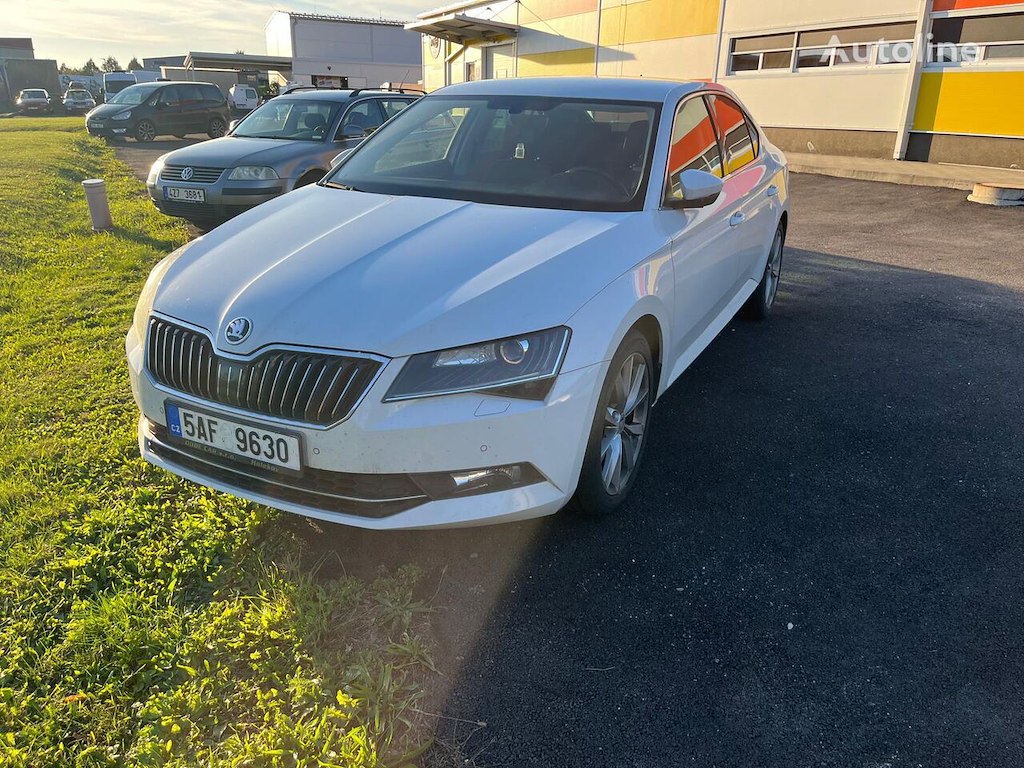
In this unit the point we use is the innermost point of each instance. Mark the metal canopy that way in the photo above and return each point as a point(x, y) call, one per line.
point(203, 60)
point(460, 28)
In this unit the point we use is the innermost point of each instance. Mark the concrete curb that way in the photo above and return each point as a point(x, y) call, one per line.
point(959, 177)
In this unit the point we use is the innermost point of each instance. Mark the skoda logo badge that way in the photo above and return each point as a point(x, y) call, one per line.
point(186, 173)
point(238, 330)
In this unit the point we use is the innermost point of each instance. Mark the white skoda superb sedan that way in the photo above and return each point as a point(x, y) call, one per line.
point(471, 318)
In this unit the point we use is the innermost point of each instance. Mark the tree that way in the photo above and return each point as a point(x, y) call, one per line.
point(134, 63)
point(110, 64)
point(240, 52)
point(90, 68)
point(64, 69)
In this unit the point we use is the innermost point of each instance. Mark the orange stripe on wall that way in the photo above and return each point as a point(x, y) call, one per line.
point(964, 5)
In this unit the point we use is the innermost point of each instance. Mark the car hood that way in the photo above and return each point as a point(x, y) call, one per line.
point(229, 151)
point(392, 275)
point(109, 110)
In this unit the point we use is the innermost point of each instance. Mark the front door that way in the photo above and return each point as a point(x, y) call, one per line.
point(702, 239)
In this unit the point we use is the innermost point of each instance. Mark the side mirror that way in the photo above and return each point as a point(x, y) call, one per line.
point(693, 189)
point(336, 160)
point(352, 132)
point(159, 105)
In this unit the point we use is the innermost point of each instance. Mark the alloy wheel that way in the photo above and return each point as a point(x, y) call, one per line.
point(216, 128)
point(145, 131)
point(773, 271)
point(625, 423)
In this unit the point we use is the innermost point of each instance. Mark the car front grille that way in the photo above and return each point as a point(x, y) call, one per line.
point(199, 175)
point(307, 387)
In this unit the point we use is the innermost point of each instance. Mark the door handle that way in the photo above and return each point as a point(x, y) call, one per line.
point(737, 219)
point(773, 191)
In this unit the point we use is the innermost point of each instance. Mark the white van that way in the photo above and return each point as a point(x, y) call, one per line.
point(243, 98)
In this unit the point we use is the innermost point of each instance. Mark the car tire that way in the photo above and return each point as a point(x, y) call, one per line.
point(618, 435)
point(145, 131)
point(217, 128)
point(761, 301)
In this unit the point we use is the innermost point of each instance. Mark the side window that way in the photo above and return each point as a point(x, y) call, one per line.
point(365, 115)
point(392, 107)
point(211, 94)
point(169, 96)
point(694, 143)
point(740, 148)
point(190, 95)
point(250, 93)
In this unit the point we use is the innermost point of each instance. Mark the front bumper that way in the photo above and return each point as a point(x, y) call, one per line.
point(366, 471)
point(109, 129)
point(225, 198)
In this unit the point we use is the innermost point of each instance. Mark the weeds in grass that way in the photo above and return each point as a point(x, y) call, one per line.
point(144, 620)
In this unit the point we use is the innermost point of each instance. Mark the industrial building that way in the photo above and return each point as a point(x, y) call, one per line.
point(19, 69)
point(931, 80)
point(342, 51)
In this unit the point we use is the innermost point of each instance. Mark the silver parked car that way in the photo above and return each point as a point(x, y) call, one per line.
point(286, 143)
point(34, 100)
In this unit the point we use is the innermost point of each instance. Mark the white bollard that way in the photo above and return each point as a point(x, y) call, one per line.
point(99, 209)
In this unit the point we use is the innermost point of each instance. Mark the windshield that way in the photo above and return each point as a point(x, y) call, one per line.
point(510, 150)
point(294, 119)
point(134, 94)
point(80, 95)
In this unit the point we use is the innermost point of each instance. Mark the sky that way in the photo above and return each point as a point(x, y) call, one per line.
point(72, 31)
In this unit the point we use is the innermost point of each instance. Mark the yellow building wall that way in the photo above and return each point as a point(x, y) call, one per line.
point(638, 22)
point(985, 103)
point(558, 63)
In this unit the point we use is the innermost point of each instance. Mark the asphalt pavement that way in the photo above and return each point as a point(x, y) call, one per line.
point(822, 563)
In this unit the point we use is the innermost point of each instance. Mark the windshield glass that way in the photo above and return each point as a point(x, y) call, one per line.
point(134, 94)
point(294, 119)
point(33, 94)
point(510, 150)
point(80, 95)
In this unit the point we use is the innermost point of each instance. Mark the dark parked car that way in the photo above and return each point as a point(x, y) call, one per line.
point(34, 100)
point(148, 110)
point(287, 142)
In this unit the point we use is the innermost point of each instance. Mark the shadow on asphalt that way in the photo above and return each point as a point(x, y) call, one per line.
point(821, 563)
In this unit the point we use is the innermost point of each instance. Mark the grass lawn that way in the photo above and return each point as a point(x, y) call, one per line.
point(145, 620)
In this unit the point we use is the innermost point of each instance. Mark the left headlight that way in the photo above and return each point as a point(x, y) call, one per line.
point(145, 303)
point(154, 170)
point(253, 173)
point(122, 115)
point(520, 366)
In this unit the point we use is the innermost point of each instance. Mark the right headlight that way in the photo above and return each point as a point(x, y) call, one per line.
point(519, 366)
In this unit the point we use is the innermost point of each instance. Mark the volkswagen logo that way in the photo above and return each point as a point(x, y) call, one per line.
point(186, 173)
point(238, 330)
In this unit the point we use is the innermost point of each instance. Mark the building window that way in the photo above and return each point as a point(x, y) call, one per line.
point(976, 39)
point(865, 45)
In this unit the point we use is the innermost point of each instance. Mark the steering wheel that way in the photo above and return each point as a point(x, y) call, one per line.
point(596, 173)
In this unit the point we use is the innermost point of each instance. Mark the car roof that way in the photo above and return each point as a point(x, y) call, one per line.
point(629, 89)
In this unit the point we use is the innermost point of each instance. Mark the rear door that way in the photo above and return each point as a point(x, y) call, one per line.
point(193, 109)
point(168, 114)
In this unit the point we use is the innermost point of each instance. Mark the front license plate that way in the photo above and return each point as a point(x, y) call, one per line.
point(227, 437)
point(185, 194)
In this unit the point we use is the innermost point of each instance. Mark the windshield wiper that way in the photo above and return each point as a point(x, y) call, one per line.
point(339, 185)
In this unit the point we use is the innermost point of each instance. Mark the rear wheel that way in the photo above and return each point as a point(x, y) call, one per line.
point(145, 131)
point(760, 303)
point(618, 435)
point(217, 128)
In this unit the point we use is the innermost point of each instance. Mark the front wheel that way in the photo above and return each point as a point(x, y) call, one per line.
point(618, 435)
point(760, 303)
point(145, 131)
point(217, 128)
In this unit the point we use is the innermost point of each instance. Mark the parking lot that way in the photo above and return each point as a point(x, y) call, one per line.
point(821, 564)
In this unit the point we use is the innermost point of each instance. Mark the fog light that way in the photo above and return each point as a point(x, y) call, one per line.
point(469, 482)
